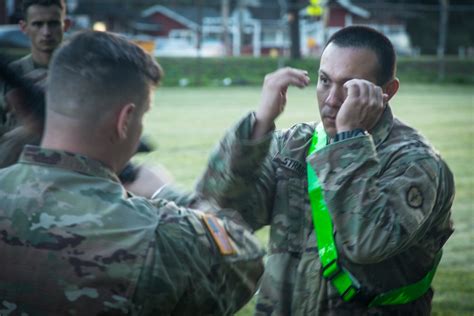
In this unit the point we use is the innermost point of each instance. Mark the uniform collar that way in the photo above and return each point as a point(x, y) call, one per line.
point(383, 127)
point(32, 64)
point(66, 160)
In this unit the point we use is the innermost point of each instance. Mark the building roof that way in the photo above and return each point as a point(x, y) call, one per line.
point(188, 16)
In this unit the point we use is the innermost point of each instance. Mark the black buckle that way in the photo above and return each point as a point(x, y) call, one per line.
point(363, 296)
point(331, 270)
point(349, 295)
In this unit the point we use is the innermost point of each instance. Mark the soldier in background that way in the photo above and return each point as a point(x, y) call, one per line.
point(75, 242)
point(26, 96)
point(44, 22)
point(385, 192)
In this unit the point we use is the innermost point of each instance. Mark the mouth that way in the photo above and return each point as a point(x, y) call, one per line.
point(47, 42)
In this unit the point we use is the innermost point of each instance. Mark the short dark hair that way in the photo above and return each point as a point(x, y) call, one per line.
point(358, 36)
point(95, 71)
point(28, 3)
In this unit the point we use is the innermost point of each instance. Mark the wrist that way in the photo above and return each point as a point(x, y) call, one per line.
point(262, 126)
point(345, 127)
point(263, 118)
point(343, 135)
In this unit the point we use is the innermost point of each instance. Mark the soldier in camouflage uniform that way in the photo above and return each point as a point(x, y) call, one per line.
point(27, 98)
point(73, 241)
point(44, 23)
point(388, 192)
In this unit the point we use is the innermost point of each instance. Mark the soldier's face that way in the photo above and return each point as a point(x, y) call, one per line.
point(45, 26)
point(339, 65)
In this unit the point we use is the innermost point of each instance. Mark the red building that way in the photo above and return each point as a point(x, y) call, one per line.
point(161, 21)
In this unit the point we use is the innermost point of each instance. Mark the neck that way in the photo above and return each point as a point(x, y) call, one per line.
point(70, 136)
point(41, 58)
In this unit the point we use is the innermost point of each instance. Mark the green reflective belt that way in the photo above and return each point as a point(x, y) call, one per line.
point(345, 283)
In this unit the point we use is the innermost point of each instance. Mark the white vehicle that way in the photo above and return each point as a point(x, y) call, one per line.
point(175, 47)
point(12, 37)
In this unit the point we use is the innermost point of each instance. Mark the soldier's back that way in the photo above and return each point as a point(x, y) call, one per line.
point(75, 243)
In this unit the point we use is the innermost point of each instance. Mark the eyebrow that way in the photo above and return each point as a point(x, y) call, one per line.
point(322, 72)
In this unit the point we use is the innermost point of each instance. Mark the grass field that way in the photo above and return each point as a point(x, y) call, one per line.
point(186, 123)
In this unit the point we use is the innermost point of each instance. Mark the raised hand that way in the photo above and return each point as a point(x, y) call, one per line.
point(273, 98)
point(362, 107)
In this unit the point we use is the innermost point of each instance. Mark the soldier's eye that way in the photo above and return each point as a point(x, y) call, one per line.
point(54, 24)
point(323, 80)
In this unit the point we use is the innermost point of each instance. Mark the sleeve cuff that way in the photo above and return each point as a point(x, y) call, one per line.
point(349, 134)
point(245, 128)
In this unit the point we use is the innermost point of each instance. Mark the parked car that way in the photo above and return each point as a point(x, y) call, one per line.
point(12, 37)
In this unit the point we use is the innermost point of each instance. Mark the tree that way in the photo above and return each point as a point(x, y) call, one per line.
point(422, 20)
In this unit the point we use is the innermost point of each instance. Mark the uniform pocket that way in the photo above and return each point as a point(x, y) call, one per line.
point(289, 220)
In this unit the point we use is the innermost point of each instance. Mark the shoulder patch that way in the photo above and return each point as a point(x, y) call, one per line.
point(219, 234)
point(414, 197)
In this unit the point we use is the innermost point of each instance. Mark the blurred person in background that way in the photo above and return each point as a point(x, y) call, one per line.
point(26, 96)
point(22, 116)
point(21, 109)
point(44, 22)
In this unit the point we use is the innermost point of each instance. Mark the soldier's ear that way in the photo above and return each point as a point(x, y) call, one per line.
point(23, 25)
point(124, 120)
point(67, 24)
point(391, 87)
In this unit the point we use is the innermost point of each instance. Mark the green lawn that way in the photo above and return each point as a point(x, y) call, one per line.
point(186, 123)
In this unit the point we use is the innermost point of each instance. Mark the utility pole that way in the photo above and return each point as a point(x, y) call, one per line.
point(199, 44)
point(241, 26)
point(225, 26)
point(283, 27)
point(199, 33)
point(237, 32)
point(294, 21)
point(443, 32)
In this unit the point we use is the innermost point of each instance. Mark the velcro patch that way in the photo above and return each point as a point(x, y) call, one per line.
point(219, 234)
point(414, 197)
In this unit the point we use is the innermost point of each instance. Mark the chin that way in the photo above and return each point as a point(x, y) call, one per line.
point(330, 130)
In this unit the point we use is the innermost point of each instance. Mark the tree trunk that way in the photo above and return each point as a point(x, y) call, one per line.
point(443, 33)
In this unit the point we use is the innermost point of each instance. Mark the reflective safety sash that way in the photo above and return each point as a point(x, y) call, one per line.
point(345, 283)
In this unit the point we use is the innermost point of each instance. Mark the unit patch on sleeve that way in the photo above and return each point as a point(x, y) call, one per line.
point(414, 197)
point(219, 234)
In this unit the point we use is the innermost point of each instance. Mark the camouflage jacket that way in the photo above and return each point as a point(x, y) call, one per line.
point(389, 195)
point(74, 242)
point(13, 136)
point(22, 66)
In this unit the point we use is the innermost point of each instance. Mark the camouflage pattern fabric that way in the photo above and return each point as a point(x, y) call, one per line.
point(74, 242)
point(12, 136)
point(389, 195)
point(12, 143)
point(22, 66)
